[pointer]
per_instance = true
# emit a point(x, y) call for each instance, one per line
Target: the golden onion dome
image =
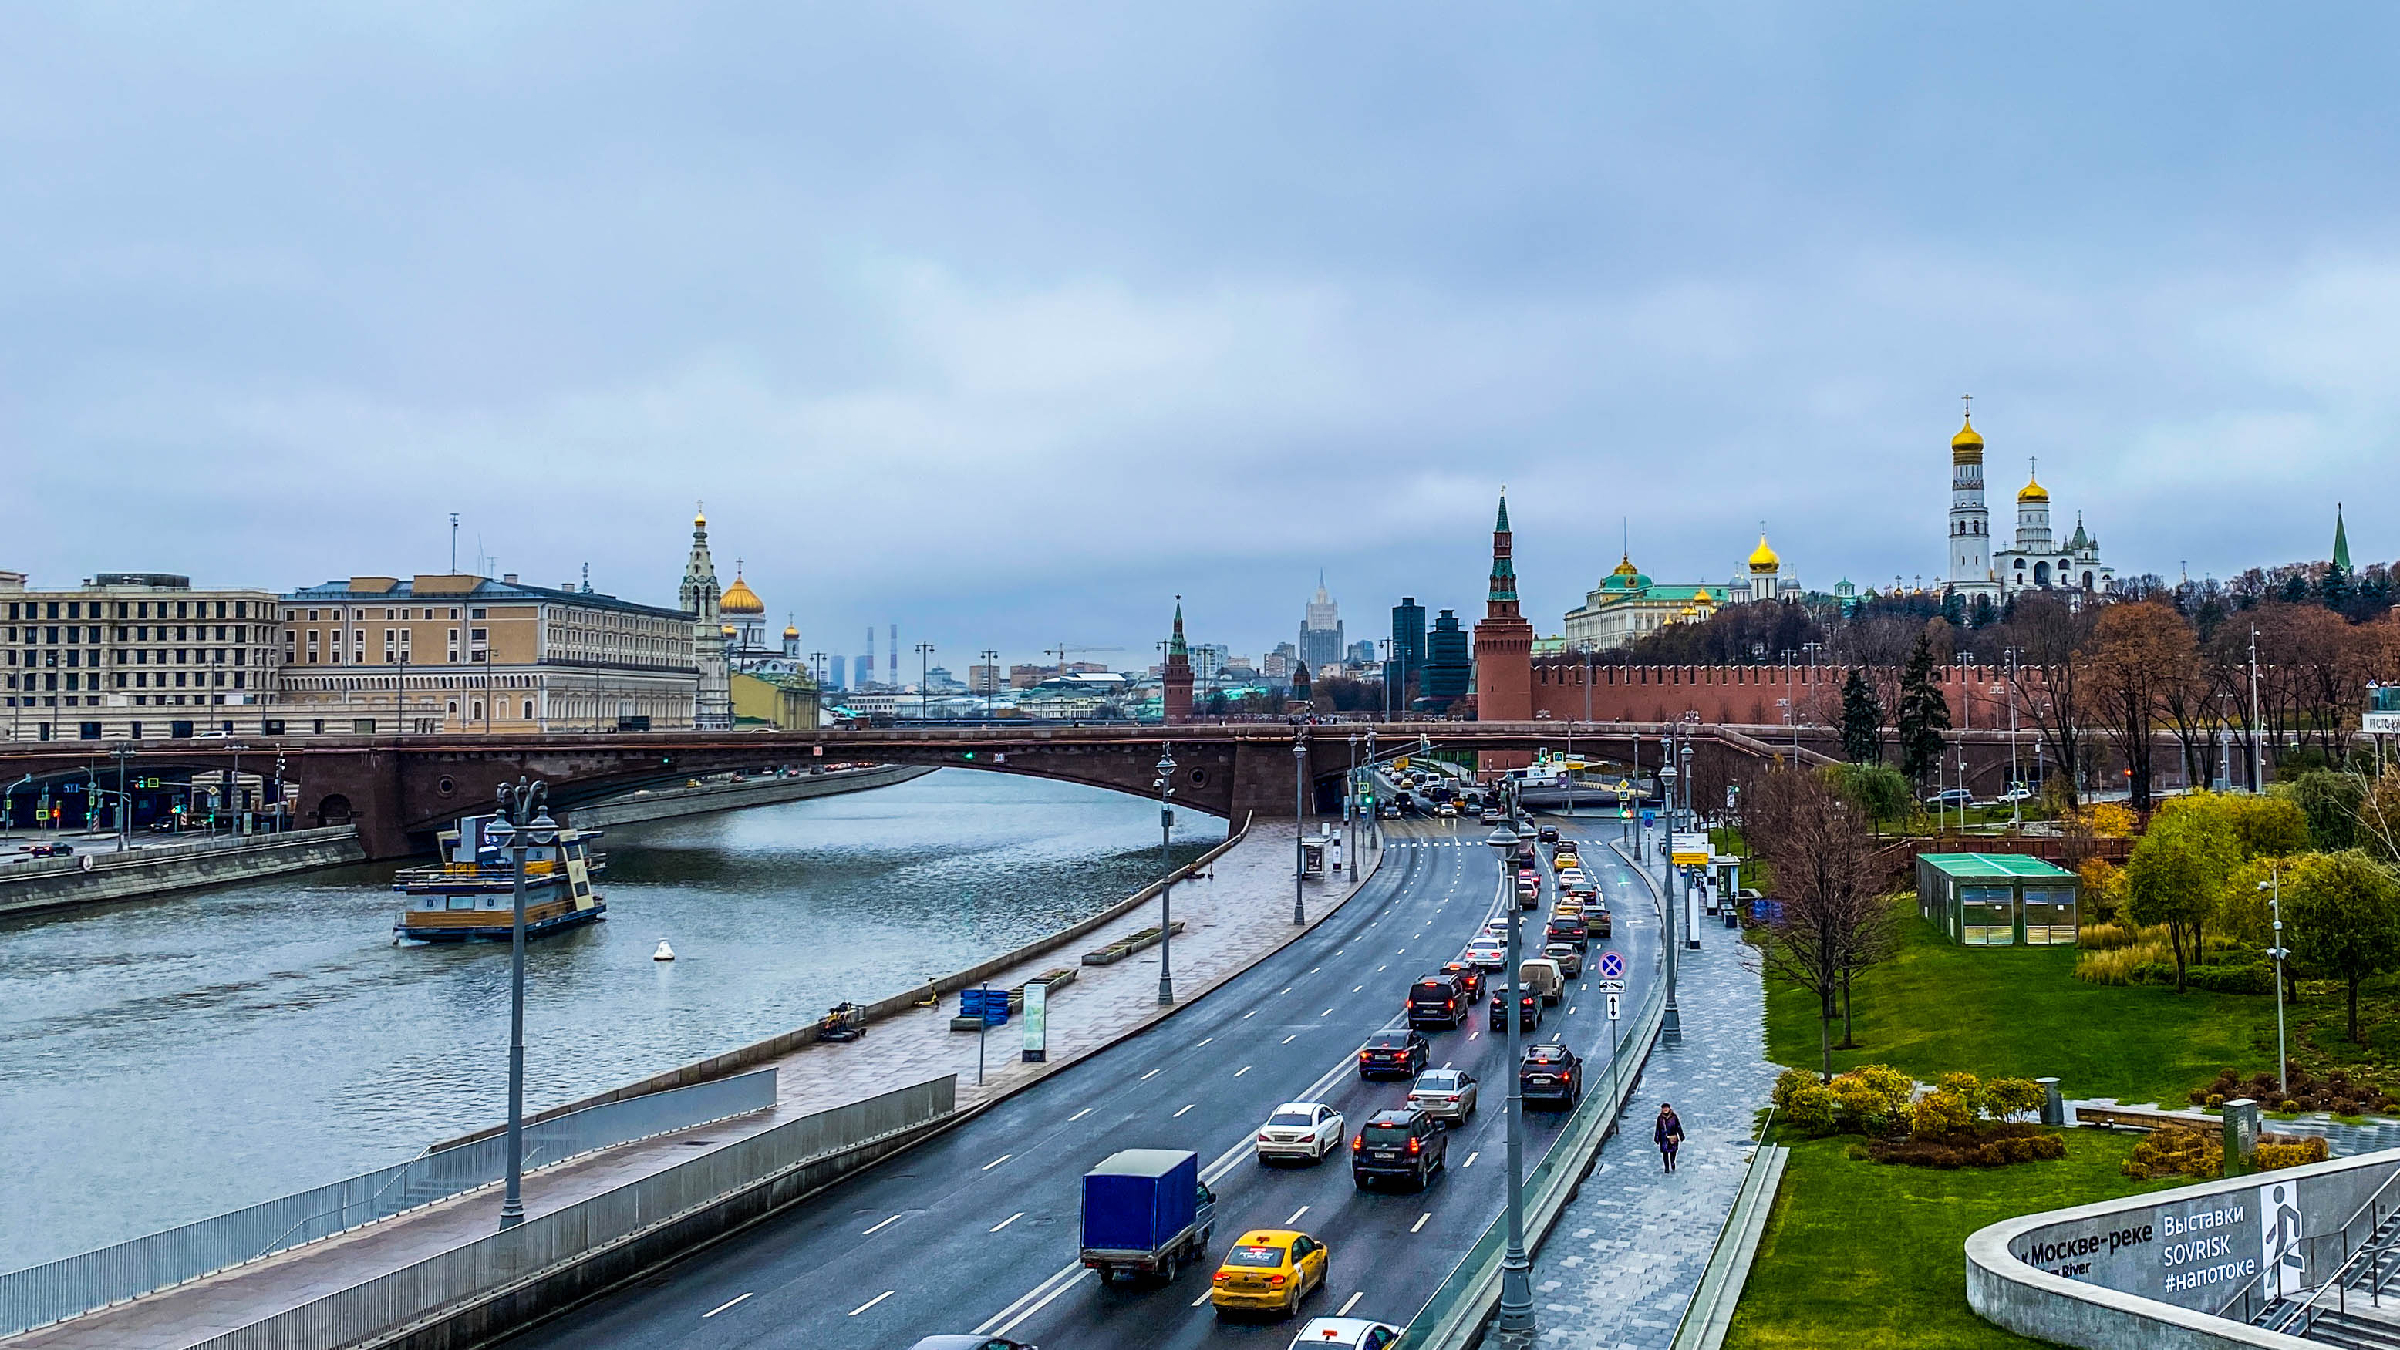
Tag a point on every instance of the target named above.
point(740, 599)
point(1762, 558)
point(1625, 567)
point(699, 517)
point(2033, 491)
point(1967, 446)
point(790, 631)
point(1702, 597)
point(729, 630)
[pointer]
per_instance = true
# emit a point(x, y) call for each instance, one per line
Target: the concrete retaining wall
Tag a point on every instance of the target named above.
point(89, 878)
point(665, 803)
point(2150, 1270)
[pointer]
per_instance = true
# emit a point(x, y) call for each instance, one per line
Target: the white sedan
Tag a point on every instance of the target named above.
point(1489, 955)
point(1306, 1130)
point(1351, 1333)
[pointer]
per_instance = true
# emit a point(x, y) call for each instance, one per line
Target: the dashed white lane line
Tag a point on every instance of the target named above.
point(1314, 969)
point(1007, 1221)
point(1200, 1300)
point(997, 1161)
point(1240, 1071)
point(1473, 1034)
point(1351, 1302)
point(1295, 1216)
point(1285, 990)
point(1420, 1223)
point(1187, 1106)
point(885, 1224)
point(723, 1306)
point(1470, 1162)
point(1356, 987)
point(1250, 1014)
point(1291, 1038)
point(1203, 1041)
point(1080, 1114)
point(1147, 1077)
point(1327, 1012)
point(872, 1302)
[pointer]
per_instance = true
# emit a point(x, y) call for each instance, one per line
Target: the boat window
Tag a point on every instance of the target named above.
point(462, 902)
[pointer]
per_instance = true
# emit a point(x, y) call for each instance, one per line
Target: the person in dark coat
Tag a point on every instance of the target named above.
point(1668, 1133)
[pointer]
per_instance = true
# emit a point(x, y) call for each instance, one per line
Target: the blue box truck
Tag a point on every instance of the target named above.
point(1145, 1213)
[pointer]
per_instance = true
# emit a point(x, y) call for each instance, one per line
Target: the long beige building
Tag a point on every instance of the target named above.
point(136, 654)
point(456, 653)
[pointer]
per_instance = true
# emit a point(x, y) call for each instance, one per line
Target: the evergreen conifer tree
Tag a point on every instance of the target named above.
point(1924, 714)
point(1862, 721)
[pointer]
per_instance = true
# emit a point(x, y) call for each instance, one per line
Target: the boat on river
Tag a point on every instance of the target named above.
point(470, 894)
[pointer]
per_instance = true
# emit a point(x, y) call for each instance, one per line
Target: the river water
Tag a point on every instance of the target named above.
point(164, 1060)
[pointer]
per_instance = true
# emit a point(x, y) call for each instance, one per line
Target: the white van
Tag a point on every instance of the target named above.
point(1541, 975)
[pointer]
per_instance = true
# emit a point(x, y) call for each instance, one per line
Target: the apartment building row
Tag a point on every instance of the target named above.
point(145, 655)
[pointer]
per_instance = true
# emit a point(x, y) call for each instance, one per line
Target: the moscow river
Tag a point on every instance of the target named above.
point(168, 1059)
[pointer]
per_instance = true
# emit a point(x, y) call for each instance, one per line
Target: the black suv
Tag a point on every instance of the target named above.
point(1550, 1073)
point(1529, 1009)
point(1398, 1143)
point(1571, 930)
point(1470, 980)
point(1437, 1002)
point(1549, 834)
point(1394, 1054)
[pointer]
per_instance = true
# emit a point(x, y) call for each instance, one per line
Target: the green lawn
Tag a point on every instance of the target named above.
point(2020, 1012)
point(1866, 1256)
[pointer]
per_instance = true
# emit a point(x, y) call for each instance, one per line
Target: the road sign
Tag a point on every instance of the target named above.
point(1688, 848)
point(1612, 986)
point(1612, 966)
point(1649, 818)
point(1612, 1006)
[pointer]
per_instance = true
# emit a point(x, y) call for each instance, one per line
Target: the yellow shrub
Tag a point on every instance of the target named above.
point(2107, 820)
point(1939, 1113)
point(2116, 966)
point(2295, 1154)
point(2172, 1151)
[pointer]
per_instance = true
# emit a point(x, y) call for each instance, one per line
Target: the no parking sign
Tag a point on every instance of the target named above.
point(1612, 966)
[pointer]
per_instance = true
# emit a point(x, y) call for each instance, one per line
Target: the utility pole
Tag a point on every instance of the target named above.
point(991, 679)
point(2257, 739)
point(924, 668)
point(454, 543)
point(1166, 884)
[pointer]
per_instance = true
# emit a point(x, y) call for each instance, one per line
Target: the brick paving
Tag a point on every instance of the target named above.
point(1627, 1253)
point(1235, 916)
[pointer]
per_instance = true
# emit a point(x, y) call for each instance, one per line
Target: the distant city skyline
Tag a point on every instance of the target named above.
point(1094, 327)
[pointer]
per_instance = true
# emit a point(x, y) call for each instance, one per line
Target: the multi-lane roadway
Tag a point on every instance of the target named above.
point(976, 1230)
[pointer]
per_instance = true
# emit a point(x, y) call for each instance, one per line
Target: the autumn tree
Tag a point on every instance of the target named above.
point(2140, 653)
point(1833, 922)
point(2050, 636)
point(2343, 913)
point(1862, 721)
point(2176, 873)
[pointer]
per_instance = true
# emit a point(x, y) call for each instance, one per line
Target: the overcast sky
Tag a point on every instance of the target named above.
point(1009, 322)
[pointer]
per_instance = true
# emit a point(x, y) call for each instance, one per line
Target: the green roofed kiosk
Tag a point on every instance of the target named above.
point(1997, 899)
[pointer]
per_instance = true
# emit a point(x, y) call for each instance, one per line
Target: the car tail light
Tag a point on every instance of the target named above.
point(1265, 1140)
point(1358, 1144)
point(1412, 1145)
point(1222, 1277)
point(1275, 1281)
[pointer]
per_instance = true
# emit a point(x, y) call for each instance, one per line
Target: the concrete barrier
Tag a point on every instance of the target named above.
point(91, 878)
point(667, 803)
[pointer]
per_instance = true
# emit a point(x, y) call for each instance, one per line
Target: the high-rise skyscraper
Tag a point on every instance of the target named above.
point(1321, 630)
point(838, 672)
point(892, 657)
point(865, 673)
point(1447, 666)
point(1407, 664)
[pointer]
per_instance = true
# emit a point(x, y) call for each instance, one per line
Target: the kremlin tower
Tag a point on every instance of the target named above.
point(1175, 689)
point(1503, 650)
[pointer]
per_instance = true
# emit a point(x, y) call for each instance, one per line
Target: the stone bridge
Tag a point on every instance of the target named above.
point(400, 789)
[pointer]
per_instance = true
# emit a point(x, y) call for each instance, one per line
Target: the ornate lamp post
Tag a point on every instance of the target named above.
point(521, 803)
point(1516, 1271)
point(1166, 888)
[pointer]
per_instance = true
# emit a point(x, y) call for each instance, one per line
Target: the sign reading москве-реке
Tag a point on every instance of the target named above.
point(2198, 1250)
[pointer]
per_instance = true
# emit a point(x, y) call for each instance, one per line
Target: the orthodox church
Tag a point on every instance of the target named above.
point(2036, 560)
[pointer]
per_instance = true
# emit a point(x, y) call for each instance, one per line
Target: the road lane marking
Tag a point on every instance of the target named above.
point(1351, 1302)
point(1007, 1221)
point(1203, 1041)
point(1250, 1014)
point(1200, 1300)
point(1291, 1038)
point(1066, 1279)
point(997, 1161)
point(1285, 990)
point(723, 1306)
point(1356, 987)
point(1314, 969)
point(1470, 1162)
point(1079, 1115)
point(1328, 1012)
point(1187, 1106)
point(1240, 1071)
point(1295, 1216)
point(885, 1224)
point(1473, 1034)
point(1147, 1077)
point(1420, 1223)
point(873, 1301)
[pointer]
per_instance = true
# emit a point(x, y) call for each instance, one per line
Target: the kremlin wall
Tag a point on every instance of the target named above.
point(1746, 695)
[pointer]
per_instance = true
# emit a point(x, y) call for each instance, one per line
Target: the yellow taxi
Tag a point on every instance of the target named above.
point(1268, 1270)
point(1560, 862)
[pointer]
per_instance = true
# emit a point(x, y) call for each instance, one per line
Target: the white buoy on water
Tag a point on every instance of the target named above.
point(664, 952)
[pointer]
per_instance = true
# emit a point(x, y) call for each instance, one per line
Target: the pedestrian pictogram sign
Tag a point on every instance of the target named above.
point(1612, 966)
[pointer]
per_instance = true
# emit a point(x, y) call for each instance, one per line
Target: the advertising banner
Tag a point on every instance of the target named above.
point(1037, 1023)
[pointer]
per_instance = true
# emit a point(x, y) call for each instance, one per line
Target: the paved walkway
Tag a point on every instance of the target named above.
point(2342, 1138)
point(1622, 1263)
point(1235, 916)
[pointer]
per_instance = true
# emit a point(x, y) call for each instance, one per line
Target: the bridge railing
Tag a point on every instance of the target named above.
point(74, 1285)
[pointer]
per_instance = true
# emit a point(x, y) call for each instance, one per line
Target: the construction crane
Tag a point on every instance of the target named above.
point(1063, 650)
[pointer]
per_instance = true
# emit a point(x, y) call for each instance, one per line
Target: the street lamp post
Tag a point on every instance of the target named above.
point(1299, 823)
point(518, 834)
point(1516, 1324)
point(1374, 823)
point(1350, 810)
point(2273, 886)
point(991, 679)
point(1166, 886)
point(924, 671)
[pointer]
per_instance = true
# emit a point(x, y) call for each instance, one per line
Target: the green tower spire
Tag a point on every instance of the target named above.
point(2341, 540)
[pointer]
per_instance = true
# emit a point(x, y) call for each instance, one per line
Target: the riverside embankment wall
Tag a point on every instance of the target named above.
point(665, 803)
point(89, 878)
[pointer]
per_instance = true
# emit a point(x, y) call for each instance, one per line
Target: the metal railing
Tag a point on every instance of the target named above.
point(74, 1285)
point(2367, 1221)
point(563, 1236)
point(1454, 1316)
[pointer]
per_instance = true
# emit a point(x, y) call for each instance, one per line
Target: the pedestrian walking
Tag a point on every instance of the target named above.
point(1669, 1134)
